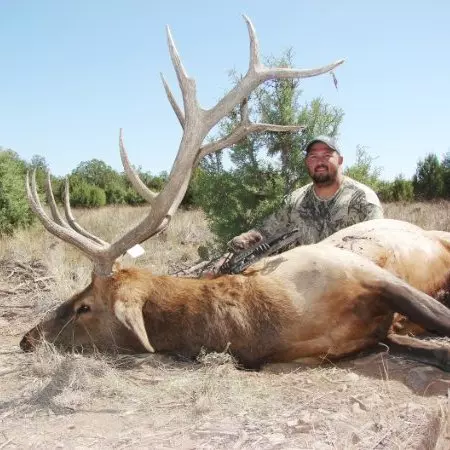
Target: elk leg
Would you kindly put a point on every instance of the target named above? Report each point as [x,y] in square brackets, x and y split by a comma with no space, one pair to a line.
[419,350]
[322,349]
[419,307]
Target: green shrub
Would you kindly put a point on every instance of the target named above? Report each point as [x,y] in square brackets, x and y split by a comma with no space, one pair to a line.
[235,201]
[399,190]
[86,195]
[402,189]
[14,209]
[97,173]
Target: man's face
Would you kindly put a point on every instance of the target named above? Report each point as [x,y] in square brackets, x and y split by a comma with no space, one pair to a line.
[323,163]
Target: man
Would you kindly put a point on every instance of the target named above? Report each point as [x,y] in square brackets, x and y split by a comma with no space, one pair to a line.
[330,203]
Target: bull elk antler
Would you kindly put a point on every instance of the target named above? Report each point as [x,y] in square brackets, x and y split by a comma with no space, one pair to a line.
[196,123]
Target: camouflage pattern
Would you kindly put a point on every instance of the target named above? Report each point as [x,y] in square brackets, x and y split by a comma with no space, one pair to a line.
[317,218]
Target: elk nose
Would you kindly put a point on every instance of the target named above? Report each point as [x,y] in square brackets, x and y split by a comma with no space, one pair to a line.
[26,344]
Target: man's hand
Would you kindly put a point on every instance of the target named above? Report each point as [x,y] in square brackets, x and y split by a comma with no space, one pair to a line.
[245,240]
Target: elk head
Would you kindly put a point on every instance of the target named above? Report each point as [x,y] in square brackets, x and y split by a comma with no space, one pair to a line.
[100,317]
[109,312]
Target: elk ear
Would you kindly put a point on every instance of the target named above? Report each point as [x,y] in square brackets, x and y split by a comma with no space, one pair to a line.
[131,316]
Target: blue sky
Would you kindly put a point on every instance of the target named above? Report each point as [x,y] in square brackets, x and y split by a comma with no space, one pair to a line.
[74,72]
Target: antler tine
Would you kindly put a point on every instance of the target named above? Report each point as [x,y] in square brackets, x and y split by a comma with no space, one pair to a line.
[172,101]
[257,74]
[51,202]
[133,176]
[186,83]
[71,219]
[254,63]
[243,130]
[93,251]
[285,73]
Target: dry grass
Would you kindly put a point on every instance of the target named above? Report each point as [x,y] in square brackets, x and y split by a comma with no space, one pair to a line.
[152,401]
[431,216]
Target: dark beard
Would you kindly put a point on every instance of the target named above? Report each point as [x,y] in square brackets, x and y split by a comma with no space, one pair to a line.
[323,179]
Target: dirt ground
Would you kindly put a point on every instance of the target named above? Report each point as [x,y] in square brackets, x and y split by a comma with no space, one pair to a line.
[49,400]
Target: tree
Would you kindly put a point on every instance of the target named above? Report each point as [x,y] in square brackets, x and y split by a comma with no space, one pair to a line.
[402,189]
[233,201]
[364,169]
[428,180]
[14,209]
[399,190]
[84,194]
[39,164]
[97,173]
[446,174]
[264,167]
[384,192]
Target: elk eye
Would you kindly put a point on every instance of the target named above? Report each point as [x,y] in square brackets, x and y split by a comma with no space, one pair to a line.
[83,309]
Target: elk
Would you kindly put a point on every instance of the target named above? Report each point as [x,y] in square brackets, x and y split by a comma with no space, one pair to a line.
[312,303]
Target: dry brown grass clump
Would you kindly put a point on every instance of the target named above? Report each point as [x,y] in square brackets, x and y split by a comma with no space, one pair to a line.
[431,216]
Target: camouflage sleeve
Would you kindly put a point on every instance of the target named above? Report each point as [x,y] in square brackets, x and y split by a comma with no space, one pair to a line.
[373,212]
[283,220]
[361,209]
[276,222]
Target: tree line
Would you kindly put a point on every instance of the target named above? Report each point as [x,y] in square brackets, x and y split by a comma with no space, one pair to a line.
[238,187]
[92,184]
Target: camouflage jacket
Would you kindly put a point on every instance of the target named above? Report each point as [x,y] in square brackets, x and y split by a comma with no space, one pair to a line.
[317,218]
